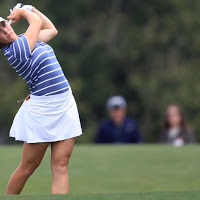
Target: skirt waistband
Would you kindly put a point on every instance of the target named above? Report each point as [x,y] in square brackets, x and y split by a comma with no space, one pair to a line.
[55,97]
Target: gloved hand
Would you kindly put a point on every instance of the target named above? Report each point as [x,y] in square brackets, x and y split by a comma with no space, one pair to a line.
[19,5]
[28,7]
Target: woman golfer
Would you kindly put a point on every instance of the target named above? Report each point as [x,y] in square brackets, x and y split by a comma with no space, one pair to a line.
[49,114]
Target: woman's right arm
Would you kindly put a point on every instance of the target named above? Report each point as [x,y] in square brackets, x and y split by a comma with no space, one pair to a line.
[35,24]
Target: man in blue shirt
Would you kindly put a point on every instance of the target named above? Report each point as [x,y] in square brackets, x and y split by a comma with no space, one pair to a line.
[119,128]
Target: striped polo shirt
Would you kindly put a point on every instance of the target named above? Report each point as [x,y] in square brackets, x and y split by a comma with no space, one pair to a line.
[39,68]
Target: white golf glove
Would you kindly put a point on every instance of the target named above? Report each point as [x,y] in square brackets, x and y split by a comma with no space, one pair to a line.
[28,7]
[20,5]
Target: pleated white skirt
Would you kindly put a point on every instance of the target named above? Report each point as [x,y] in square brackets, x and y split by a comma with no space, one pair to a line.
[47,119]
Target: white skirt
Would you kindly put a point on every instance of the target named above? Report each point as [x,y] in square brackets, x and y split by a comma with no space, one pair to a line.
[47,119]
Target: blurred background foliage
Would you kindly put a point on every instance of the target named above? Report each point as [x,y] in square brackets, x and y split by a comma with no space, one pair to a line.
[146,50]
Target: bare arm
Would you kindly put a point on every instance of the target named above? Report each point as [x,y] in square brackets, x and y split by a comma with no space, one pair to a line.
[48,30]
[35,24]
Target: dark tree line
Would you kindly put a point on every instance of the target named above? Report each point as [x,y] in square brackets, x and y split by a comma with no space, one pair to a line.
[146,50]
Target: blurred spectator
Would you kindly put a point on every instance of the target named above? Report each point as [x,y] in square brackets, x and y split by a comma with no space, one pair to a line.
[176,130]
[118,128]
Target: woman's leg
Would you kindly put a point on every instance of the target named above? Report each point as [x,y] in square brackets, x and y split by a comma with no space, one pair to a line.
[60,155]
[31,159]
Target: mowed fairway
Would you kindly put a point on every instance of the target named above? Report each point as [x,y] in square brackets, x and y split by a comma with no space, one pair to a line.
[142,172]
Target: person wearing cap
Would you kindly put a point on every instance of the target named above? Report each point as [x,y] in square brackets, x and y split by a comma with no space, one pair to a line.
[49,116]
[118,128]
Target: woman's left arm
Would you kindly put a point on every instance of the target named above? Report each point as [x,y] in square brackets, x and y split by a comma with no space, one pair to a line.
[48,30]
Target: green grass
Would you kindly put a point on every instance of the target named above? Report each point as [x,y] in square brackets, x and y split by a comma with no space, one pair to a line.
[114,172]
[129,196]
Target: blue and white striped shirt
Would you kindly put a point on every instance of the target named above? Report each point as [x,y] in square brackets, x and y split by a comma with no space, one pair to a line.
[39,68]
